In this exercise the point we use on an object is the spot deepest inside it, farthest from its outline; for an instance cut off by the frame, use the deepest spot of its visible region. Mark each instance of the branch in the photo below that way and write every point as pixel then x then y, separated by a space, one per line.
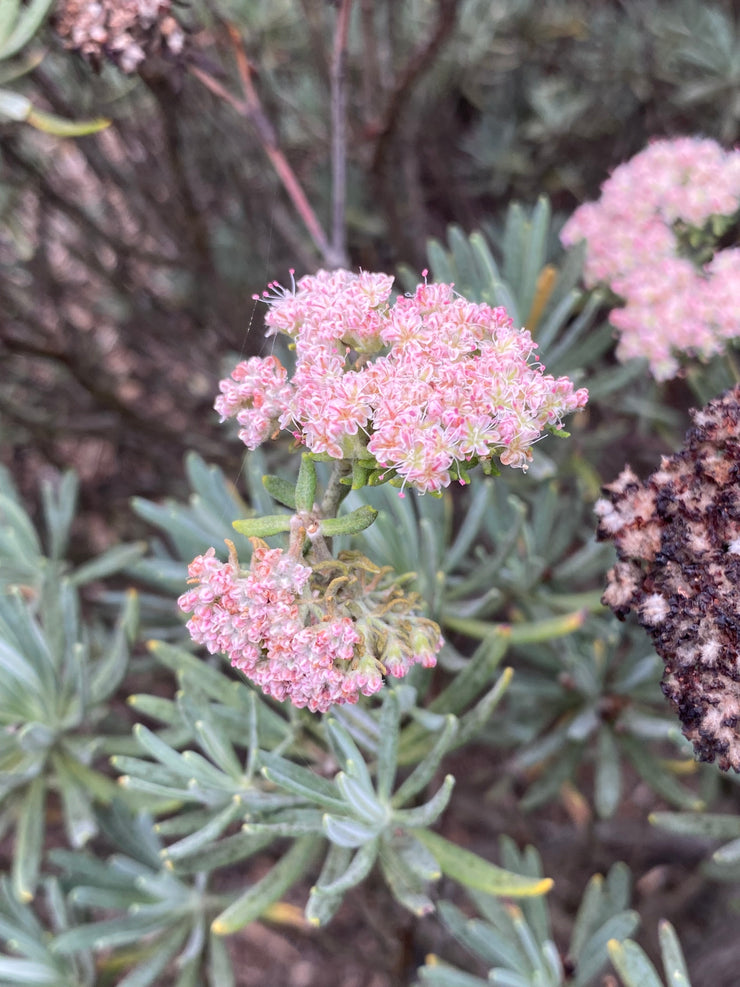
pixel 335 491
pixel 251 109
pixel 417 64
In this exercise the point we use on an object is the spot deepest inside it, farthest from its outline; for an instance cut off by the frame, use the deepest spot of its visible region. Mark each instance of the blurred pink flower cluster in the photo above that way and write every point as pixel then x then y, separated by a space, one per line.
pixel 423 386
pixel 639 236
pixel 276 625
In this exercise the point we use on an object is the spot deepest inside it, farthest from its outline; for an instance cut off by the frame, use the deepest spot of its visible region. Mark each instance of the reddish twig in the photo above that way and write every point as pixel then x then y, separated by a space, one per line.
pixel 218 90
pixel 268 138
pixel 251 109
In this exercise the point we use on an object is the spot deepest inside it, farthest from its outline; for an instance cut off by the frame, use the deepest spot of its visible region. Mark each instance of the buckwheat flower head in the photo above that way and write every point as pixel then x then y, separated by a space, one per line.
pixel 677 536
pixel 315 635
pixel 650 239
pixel 423 387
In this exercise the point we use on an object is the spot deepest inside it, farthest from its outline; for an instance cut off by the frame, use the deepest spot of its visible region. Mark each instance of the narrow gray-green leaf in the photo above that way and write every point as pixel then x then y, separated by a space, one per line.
pixel 16 520
pixel 728 854
pixel 14 106
pixel 349 524
pixel 146 973
pixel 661 780
pixel 29 840
pixel 206 834
pixel 8 16
pixel 439 975
pixel 218 748
pixel 348 832
pixel 224 853
pixel 429 812
pixel 79 818
pixel 632 964
pixel 300 781
pixel 262 527
pixel 219 968
pixel 16 971
pixel 710 825
pixel 406 885
pixel 113 560
pixel 280 490
pixel 357 870
pixel 425 770
pixel 346 751
pixel 360 799
pixel 27 24
pixel 305 488
pixel 390 719
pixel 105 935
pixel 287 871
pixel 674 963
pixel 474 872
pixel 608 774
pixel 594 955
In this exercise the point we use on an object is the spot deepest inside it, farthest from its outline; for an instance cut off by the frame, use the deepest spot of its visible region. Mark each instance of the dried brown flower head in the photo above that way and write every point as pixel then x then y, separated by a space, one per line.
pixel 124 32
pixel 678 540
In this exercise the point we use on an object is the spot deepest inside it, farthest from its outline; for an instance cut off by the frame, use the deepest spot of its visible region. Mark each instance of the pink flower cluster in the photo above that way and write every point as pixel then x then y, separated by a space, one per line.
pixel 275 626
pixel 423 386
pixel 638 238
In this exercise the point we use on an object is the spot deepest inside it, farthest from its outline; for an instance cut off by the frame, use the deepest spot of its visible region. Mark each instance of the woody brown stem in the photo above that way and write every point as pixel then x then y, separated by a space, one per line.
pixel 335 491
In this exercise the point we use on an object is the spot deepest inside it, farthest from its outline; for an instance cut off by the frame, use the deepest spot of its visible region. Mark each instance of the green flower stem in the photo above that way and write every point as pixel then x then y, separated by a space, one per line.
pixel 529 632
pixel 334 494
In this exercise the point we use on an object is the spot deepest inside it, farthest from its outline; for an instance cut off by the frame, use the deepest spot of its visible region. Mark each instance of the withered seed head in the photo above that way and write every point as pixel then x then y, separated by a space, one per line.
pixel 678 540
pixel 125 32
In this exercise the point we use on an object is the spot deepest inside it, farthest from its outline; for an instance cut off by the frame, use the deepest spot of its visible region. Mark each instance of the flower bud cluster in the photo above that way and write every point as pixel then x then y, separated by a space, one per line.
pixel 124 32
pixel 317 635
pixel 652 238
pixel 678 540
pixel 423 387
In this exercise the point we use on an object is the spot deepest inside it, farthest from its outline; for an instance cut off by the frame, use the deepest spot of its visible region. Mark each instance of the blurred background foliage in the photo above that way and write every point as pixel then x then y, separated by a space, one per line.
pixel 128 262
